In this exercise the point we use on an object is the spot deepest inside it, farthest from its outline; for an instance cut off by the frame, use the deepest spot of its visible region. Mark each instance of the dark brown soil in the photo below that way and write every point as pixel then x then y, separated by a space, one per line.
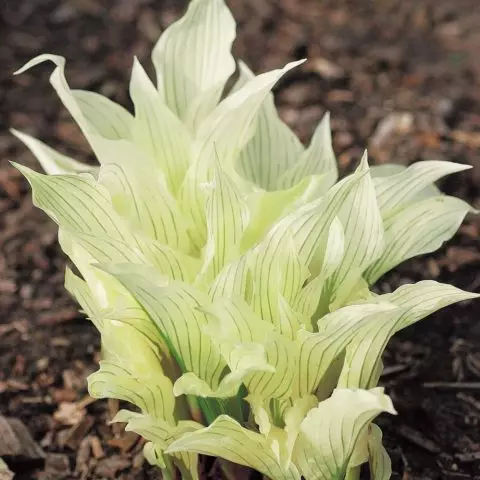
pixel 400 77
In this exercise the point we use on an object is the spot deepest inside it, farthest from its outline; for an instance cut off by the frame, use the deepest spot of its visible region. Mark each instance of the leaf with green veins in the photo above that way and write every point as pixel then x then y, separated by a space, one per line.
pixel 97 117
pixel 53 162
pixel 329 433
pixel 227 439
pixel 273 148
pixel 397 190
pixel 414 302
pixel 317 159
pixel 419 228
pixel 157 130
pixel 175 309
pixel 193 59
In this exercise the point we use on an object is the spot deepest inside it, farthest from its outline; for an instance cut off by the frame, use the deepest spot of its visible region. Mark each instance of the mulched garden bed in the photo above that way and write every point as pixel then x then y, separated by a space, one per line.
pixel 400 77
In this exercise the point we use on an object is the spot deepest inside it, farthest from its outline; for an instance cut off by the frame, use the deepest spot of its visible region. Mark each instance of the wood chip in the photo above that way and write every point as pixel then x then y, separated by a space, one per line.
pixel 453 385
pixel 83 456
pixel 326 69
pixel 111 466
pixel 125 442
pixel 96 447
pixel 418 439
pixel 17 445
pixel 69 414
pixel 78 432
pixel 57 466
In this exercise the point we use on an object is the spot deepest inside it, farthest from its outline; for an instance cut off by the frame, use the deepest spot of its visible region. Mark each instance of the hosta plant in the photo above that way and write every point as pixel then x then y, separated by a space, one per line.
pixel 227 268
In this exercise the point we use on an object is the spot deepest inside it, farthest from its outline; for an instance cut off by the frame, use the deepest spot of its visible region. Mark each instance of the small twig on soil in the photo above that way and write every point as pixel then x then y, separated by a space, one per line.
pixel 468 457
pixel 470 400
pixel 393 370
pixel 453 385
pixel 418 439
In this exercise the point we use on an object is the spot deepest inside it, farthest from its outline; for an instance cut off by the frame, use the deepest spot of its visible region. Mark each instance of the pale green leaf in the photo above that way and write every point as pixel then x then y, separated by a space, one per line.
pixel 87 210
pixel 330 432
pixel 248 342
pixel 222 135
pixel 277 272
pixel 227 129
pixel 141 196
pixel 267 207
pixel 227 216
pixel 226 438
pixel 317 159
pixel 159 435
pixel 193 57
pixel 424 298
pixel 80 290
pixel 273 149
pixel 175 309
pixel 158 131
pixel 397 189
pixel 363 230
pixel 152 393
pixel 233 281
pixel 97 117
pixel 419 228
pixel 380 463
pixel 414 303
pixel 53 162
pixel 317 351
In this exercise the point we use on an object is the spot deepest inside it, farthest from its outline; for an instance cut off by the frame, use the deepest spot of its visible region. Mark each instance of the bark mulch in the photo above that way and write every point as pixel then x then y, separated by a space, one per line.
pixel 400 77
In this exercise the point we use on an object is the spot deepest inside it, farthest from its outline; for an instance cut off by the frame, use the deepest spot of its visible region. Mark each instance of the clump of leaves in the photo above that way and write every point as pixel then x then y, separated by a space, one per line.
pixel 227 269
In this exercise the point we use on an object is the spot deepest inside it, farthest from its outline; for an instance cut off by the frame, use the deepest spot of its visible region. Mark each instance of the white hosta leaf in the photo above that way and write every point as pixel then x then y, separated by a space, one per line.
pixel 406 185
pixel 151 393
pixel 86 251
pixel 80 290
pixel 227 216
pixel 317 351
pixel 365 350
pixel 419 228
pixel 175 309
pixel 380 463
pixel 227 129
pixel 363 229
pixel 97 118
pixel 308 299
pixel 424 298
pixel 329 433
pixel 160 435
pixel 277 272
pixel 158 131
pixel 170 262
pixel 109 119
pixel 226 438
pixel 267 207
pixel 246 341
pixel 53 162
pixel 142 197
pixel 193 57
pixel 222 135
pixel 388 169
pixel 310 225
pixel 281 354
pixel 414 303
pixel 77 203
pixel 317 159
pixel 233 281
pixel 243 360
pixel 273 149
